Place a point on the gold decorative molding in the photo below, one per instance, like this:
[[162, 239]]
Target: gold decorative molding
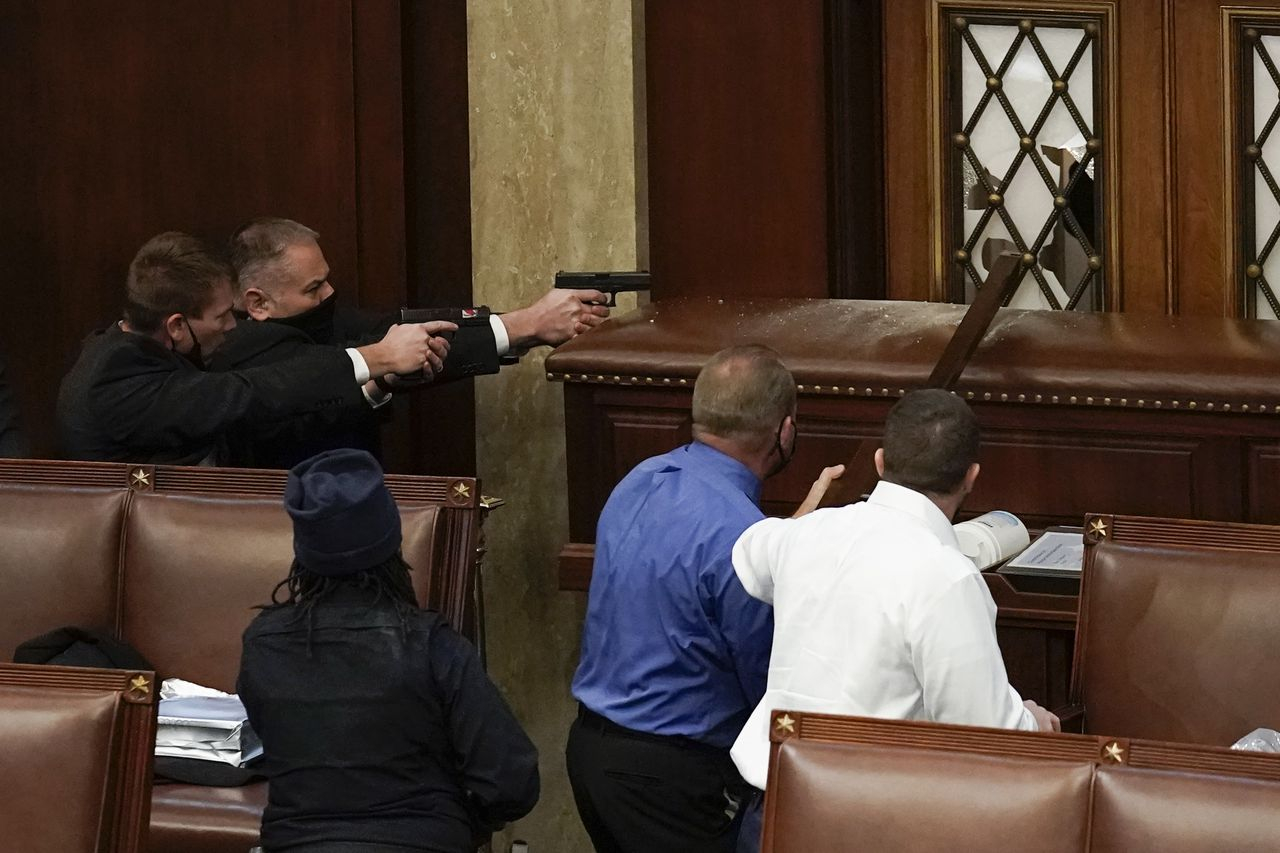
[[1114, 752], [142, 478], [139, 688]]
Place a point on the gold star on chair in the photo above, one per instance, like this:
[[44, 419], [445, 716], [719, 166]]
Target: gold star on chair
[[785, 723], [139, 478], [140, 684], [1098, 528], [462, 490], [1113, 752]]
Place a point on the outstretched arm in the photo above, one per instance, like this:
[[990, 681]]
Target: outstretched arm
[[555, 318]]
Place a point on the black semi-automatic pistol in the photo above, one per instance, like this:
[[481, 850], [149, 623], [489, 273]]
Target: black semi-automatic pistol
[[609, 283]]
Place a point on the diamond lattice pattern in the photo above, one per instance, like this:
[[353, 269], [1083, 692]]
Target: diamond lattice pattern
[[1263, 265], [1028, 157]]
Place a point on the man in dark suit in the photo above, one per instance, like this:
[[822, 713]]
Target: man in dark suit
[[138, 392], [13, 442], [290, 307]]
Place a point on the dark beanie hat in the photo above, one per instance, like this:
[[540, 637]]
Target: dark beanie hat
[[344, 519]]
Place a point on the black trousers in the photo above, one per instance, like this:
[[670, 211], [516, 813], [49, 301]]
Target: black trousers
[[643, 793]]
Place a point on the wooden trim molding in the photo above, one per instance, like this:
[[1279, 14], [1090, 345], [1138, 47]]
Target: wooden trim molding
[[459, 492]]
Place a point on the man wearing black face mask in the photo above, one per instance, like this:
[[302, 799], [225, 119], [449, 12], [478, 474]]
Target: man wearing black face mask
[[290, 306], [137, 392]]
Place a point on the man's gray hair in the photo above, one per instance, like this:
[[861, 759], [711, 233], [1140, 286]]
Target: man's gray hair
[[259, 245], [743, 392]]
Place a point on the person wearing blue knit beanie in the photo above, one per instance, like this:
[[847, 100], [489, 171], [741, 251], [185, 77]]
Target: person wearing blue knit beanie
[[381, 732]]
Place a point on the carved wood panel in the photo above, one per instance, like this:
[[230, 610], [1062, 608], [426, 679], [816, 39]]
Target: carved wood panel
[[1262, 494]]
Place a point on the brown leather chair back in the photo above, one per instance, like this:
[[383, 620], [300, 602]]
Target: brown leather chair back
[[58, 559], [196, 566], [1178, 812], [1177, 633], [840, 783], [845, 783], [826, 796], [75, 759]]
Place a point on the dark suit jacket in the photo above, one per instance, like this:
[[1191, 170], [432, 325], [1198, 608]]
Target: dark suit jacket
[[283, 445], [13, 442], [128, 398]]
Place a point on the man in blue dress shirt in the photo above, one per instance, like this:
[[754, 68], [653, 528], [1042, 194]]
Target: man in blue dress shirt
[[675, 653]]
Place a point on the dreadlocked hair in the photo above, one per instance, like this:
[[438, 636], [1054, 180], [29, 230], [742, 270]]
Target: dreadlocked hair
[[389, 580]]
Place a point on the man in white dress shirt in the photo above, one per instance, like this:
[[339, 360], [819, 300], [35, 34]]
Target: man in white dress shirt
[[876, 611]]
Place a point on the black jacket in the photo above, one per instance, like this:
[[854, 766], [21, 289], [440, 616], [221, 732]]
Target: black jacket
[[282, 445], [130, 399], [377, 734]]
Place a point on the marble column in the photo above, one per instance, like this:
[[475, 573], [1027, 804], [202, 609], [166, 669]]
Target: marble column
[[553, 186]]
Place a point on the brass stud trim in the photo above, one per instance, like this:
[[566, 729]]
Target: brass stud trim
[[140, 476]]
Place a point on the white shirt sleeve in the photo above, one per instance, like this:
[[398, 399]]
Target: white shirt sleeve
[[361, 367], [958, 663], [500, 336], [375, 396], [756, 556]]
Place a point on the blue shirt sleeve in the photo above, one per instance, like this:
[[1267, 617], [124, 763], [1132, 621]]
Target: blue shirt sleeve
[[745, 623]]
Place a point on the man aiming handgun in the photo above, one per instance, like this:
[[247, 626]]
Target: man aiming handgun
[[284, 292]]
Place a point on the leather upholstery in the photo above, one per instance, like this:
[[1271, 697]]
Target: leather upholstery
[[58, 557], [1178, 643], [886, 798], [176, 574], [54, 749], [75, 759], [198, 819], [196, 566], [856, 783], [835, 342], [1182, 813]]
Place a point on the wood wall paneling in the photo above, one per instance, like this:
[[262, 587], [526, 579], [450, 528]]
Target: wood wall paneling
[[136, 118], [910, 173], [737, 148], [1038, 661], [1202, 234], [437, 148], [1262, 498], [855, 157], [1143, 144], [143, 117], [1049, 465]]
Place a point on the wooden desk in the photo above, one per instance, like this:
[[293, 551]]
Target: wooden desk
[[1128, 414]]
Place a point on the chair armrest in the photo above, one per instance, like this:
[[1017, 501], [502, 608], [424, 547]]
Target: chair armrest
[[1071, 717]]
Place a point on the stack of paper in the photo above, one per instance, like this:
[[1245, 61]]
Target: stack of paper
[[204, 724], [1054, 552]]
